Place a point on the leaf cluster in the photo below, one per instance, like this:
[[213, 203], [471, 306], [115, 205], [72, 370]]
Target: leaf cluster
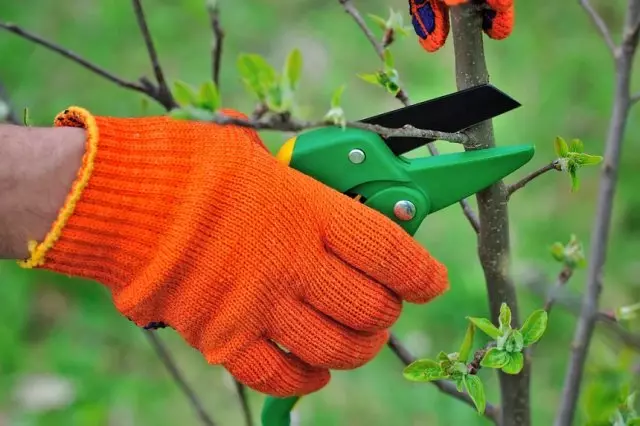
[[504, 353]]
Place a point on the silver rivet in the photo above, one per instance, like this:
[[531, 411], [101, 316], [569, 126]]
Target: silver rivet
[[404, 210], [356, 156]]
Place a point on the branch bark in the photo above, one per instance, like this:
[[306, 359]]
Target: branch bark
[[164, 94], [493, 241], [218, 39], [241, 390], [145, 88], [600, 25], [171, 366], [525, 180], [623, 57]]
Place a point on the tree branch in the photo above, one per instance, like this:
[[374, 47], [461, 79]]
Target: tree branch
[[170, 364], [554, 165], [602, 222], [138, 87], [600, 24], [491, 411], [403, 97], [563, 277], [493, 242], [163, 92], [287, 124], [244, 402], [218, 38], [570, 302]]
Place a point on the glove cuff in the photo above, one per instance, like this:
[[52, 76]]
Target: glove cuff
[[132, 217]]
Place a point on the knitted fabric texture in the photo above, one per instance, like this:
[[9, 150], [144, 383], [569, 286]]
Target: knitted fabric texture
[[431, 22], [198, 227]]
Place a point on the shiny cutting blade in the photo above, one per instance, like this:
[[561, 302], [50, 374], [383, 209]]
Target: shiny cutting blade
[[449, 113]]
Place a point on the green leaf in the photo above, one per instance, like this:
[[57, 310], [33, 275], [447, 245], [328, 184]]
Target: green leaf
[[293, 68], [561, 147], [336, 116], [515, 342], [209, 96], [514, 363], [424, 370], [625, 313], [467, 342], [575, 182], [459, 381], [371, 78], [486, 326], [388, 59], [557, 251], [576, 146], [633, 422], [25, 117], [460, 367], [494, 358], [336, 98], [192, 113], [588, 160], [184, 94], [442, 356], [534, 327], [505, 317], [476, 391], [379, 21], [258, 76]]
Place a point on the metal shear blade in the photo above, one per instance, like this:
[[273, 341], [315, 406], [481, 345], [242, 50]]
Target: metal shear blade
[[449, 113]]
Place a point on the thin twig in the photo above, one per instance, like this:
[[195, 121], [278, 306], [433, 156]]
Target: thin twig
[[635, 98], [244, 402], [602, 222], [403, 97], [171, 366], [288, 124], [79, 60], [554, 165], [218, 39], [163, 90], [491, 411], [570, 302], [600, 24], [563, 277], [379, 47]]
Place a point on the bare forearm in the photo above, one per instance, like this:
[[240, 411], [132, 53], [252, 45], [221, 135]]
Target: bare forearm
[[37, 169]]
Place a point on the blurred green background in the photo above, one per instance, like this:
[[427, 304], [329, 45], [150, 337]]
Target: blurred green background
[[68, 358]]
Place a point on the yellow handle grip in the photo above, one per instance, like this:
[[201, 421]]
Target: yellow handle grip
[[285, 154]]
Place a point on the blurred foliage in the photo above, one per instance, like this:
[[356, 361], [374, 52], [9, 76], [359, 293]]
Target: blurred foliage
[[554, 63]]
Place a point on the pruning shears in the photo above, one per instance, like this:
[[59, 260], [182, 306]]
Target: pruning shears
[[374, 170]]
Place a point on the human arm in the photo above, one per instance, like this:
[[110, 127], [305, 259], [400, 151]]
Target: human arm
[[37, 168], [198, 227]]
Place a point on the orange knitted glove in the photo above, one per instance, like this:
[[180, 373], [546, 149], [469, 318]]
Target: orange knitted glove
[[430, 19], [198, 227]]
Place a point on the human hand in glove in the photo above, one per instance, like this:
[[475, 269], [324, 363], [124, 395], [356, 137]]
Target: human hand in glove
[[197, 227]]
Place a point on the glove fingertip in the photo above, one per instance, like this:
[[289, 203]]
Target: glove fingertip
[[430, 22]]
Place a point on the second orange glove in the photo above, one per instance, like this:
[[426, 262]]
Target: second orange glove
[[198, 227], [430, 19]]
